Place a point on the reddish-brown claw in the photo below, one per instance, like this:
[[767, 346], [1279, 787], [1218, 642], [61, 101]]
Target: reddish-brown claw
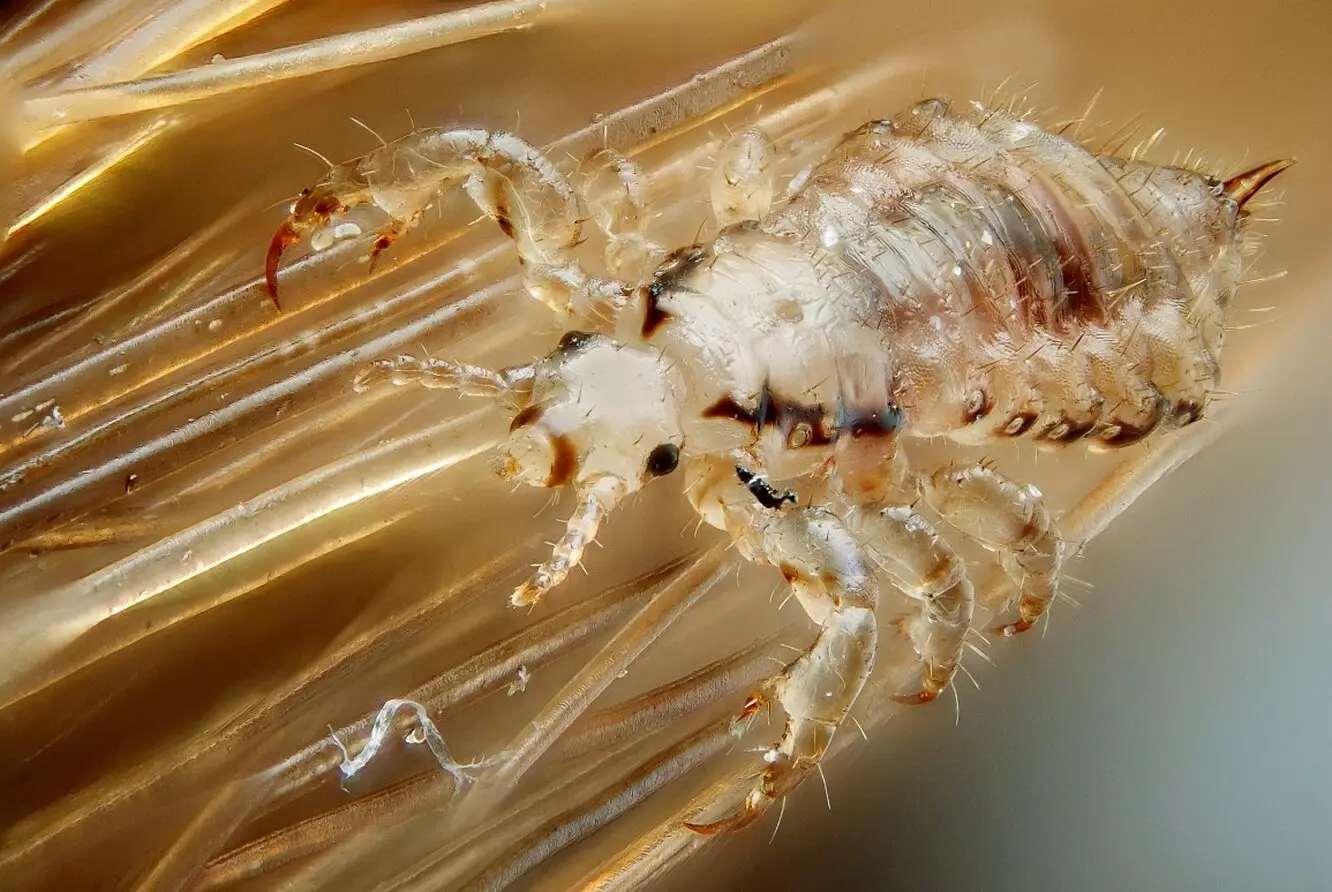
[[285, 236], [752, 705], [738, 821], [915, 699], [1012, 629], [383, 242]]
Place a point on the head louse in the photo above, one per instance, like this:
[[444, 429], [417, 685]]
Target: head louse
[[955, 272]]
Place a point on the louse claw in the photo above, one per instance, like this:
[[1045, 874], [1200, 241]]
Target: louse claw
[[1011, 629], [383, 242], [915, 699], [284, 238], [752, 811]]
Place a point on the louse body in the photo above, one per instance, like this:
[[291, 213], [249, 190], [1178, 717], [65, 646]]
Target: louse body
[[955, 272]]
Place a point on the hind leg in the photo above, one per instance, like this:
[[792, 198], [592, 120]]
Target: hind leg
[[1007, 518]]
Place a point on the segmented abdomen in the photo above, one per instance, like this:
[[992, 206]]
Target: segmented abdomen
[[1021, 284]]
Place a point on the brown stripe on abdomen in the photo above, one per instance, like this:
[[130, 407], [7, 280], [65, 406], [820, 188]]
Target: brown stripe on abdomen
[[1077, 302]]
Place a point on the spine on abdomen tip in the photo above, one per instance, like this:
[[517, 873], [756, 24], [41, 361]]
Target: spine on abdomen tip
[[1027, 287]]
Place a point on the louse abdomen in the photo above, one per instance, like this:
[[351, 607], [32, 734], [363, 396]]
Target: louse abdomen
[[1020, 284]]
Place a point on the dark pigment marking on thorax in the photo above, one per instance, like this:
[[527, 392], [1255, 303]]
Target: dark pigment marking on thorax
[[727, 407], [858, 423], [575, 341], [801, 425], [670, 276]]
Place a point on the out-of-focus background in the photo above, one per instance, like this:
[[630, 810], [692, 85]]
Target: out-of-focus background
[[1171, 733]]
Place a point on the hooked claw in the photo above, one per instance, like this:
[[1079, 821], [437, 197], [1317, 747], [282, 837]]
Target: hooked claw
[[755, 805], [285, 236], [1017, 628], [1245, 186], [383, 242], [916, 699]]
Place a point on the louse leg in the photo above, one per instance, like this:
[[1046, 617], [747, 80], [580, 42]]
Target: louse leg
[[907, 548], [821, 560], [743, 182], [622, 216], [1008, 518], [512, 181]]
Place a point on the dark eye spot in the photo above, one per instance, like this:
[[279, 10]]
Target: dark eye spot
[[663, 459]]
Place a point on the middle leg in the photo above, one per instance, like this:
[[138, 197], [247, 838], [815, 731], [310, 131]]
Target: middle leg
[[1008, 518], [921, 563]]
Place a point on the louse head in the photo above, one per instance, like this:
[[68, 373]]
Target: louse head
[[598, 410], [600, 417]]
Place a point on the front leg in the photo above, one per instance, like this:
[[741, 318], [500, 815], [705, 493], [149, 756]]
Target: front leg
[[1008, 518], [906, 547], [509, 179], [820, 559]]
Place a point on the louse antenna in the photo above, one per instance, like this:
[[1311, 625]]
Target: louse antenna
[[282, 202], [441, 374], [368, 129], [319, 155]]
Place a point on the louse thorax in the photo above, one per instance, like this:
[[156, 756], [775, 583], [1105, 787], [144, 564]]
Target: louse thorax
[[780, 359], [598, 409]]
